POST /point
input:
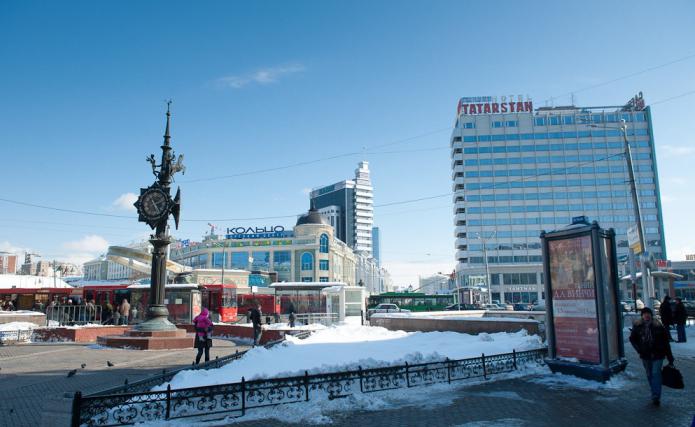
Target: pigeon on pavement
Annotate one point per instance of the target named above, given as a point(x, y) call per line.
point(72, 373)
point(109, 363)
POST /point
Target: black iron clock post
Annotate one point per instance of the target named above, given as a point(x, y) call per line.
point(154, 207)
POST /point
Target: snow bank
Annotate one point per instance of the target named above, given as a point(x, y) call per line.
point(17, 326)
point(348, 346)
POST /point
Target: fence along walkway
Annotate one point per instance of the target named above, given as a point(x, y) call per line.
point(219, 401)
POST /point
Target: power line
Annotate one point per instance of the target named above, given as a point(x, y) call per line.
point(337, 156)
point(400, 202)
point(637, 73)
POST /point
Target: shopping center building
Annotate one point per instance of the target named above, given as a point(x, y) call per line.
point(517, 170)
point(309, 252)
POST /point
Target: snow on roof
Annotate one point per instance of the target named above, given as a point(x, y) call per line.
point(9, 281)
point(306, 284)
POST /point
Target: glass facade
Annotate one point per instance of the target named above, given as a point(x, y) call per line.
point(307, 261)
point(261, 261)
point(282, 265)
point(240, 260)
point(517, 174)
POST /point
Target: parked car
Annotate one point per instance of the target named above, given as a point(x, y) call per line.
point(461, 307)
point(492, 307)
point(628, 306)
point(522, 307)
point(689, 308)
point(540, 306)
point(386, 308)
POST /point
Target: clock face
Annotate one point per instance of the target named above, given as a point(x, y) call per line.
point(154, 203)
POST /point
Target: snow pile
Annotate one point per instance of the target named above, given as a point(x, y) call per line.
point(17, 326)
point(348, 346)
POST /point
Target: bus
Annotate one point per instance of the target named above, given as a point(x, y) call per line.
point(412, 301)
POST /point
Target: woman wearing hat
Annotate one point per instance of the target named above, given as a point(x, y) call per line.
point(651, 341)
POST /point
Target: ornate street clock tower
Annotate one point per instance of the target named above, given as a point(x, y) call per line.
point(154, 207)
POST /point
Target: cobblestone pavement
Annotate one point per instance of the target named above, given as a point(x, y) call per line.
point(523, 402)
point(35, 390)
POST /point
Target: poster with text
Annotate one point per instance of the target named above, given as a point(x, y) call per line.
point(574, 299)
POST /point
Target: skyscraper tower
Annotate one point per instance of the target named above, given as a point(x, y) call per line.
point(348, 205)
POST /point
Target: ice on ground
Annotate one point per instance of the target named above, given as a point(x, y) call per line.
point(503, 422)
point(562, 381)
point(18, 326)
point(348, 346)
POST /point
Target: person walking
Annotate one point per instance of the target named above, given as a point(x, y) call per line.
point(666, 314)
point(107, 314)
point(680, 315)
point(255, 315)
point(203, 333)
point(124, 311)
point(649, 338)
point(91, 310)
point(292, 319)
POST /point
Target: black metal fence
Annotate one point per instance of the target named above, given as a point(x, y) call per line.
point(68, 315)
point(219, 401)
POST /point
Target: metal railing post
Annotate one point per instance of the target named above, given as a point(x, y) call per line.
point(484, 369)
point(514, 356)
point(168, 413)
point(76, 409)
point(243, 396)
point(448, 370)
point(306, 385)
point(407, 375)
point(360, 371)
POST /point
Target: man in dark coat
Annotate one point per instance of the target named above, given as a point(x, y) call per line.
point(680, 315)
point(650, 340)
point(255, 315)
point(666, 314)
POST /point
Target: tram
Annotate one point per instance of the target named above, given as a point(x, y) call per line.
point(36, 298)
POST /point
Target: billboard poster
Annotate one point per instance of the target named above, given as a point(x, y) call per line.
point(574, 299)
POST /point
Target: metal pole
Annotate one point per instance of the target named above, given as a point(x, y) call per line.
point(646, 295)
point(224, 261)
point(487, 269)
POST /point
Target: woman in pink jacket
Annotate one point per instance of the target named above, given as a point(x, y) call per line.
point(203, 334)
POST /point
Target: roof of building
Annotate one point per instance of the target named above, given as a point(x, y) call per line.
point(319, 285)
point(312, 217)
point(9, 281)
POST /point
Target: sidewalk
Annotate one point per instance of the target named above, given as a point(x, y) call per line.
point(535, 401)
point(35, 390)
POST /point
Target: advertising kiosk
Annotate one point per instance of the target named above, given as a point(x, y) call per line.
point(583, 317)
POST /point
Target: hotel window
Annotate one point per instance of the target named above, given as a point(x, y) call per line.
point(568, 120)
point(306, 279)
point(323, 248)
point(307, 261)
point(512, 123)
point(497, 124)
point(540, 121)
point(554, 120)
point(469, 125)
point(323, 279)
point(323, 264)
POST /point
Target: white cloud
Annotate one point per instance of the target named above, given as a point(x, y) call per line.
point(306, 191)
point(6, 246)
point(90, 244)
point(125, 202)
point(677, 180)
point(262, 76)
point(678, 150)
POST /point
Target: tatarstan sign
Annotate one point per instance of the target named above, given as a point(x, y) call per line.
point(491, 105)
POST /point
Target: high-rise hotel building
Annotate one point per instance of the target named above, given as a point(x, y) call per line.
point(517, 170)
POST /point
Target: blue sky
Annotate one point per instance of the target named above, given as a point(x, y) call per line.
point(260, 85)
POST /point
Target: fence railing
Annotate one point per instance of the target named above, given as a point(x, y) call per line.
point(16, 335)
point(219, 401)
point(68, 315)
point(326, 319)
